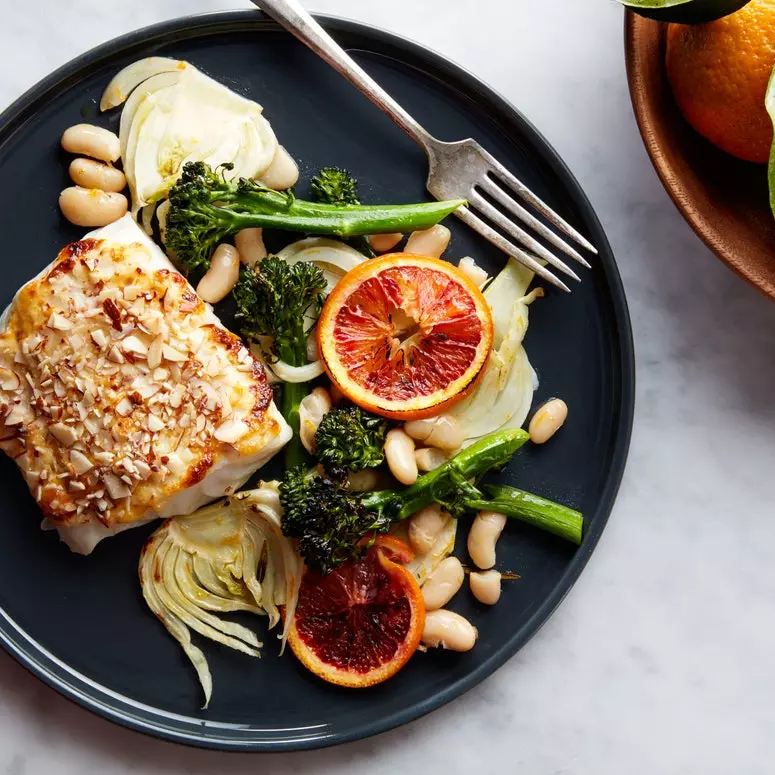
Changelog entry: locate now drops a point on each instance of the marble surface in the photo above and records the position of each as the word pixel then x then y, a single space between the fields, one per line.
pixel 660 660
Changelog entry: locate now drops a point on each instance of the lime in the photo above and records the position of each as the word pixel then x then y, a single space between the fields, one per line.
pixel 769 104
pixel 684 11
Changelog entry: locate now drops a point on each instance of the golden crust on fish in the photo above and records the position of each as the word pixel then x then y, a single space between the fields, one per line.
pixel 119 388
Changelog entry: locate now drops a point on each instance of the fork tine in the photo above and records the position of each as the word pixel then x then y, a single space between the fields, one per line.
pixel 507 247
pixel 497 193
pixel 520 235
pixel 528 196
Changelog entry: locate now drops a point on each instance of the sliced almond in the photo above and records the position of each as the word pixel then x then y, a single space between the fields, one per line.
pixel 153 356
pixel 64 434
pixel 134 345
pixel 124 407
pixel 9 380
pixel 231 431
pixel 59 322
pixel 175 464
pixel 171 354
pixel 154 423
pixel 114 354
pixel 115 487
pixel 81 463
pixel 19 413
pixel 143 469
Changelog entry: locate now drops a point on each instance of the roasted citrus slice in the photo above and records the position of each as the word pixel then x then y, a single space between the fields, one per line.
pixel 405 336
pixel 358 625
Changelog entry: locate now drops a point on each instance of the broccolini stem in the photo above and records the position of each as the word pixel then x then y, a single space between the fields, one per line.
pixel 490 452
pixel 294 353
pixel 271 210
pixel 532 509
pixel 293 394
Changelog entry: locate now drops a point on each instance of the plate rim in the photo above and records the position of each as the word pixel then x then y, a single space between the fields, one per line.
pixel 192 731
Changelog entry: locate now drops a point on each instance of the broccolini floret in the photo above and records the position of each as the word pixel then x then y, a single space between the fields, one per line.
pixel 350 439
pixel 274 298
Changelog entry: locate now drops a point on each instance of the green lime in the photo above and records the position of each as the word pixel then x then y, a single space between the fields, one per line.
pixel 685 11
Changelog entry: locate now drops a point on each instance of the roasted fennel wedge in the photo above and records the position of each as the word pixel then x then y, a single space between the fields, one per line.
pixel 227 557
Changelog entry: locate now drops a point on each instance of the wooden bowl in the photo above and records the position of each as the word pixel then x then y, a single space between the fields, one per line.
pixel 726 201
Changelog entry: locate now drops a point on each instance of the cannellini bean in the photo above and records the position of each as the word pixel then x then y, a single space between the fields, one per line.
pixel 429 458
pixel 484 534
pixel 486 586
pixel 448 630
pixel 91 207
pixel 282 173
pixel 442 431
pixel 399 452
pixel 443 583
pixel 547 420
pixel 311 411
pixel 473 271
pixel 88 173
pixel 425 526
pixel 431 242
pixel 250 244
pixel 363 481
pixel 381 243
pixel 222 275
pixel 94 141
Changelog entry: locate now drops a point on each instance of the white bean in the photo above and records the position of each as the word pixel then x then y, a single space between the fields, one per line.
pixel 425 526
pixel 399 453
pixel 442 431
pixel 547 420
pixel 448 630
pixel 429 458
pixel 473 271
pixel 88 173
pixel 431 242
pixel 486 586
pixel 250 244
pixel 94 141
pixel 484 534
pixel 381 243
pixel 222 275
pixel 363 481
pixel 443 583
pixel 282 173
pixel 311 411
pixel 91 207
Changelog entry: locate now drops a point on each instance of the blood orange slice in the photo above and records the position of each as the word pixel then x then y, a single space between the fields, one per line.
pixel 359 625
pixel 405 336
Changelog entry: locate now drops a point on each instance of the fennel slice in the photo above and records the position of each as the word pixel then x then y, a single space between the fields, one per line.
pixel 125 81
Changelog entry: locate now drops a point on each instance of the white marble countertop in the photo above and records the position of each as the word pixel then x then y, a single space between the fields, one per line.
pixel 661 659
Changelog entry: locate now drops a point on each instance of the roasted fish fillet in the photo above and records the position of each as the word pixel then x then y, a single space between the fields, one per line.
pixel 122 396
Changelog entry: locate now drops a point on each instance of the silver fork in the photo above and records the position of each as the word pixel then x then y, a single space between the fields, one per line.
pixel 460 170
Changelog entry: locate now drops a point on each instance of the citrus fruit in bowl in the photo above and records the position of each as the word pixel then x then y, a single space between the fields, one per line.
pixel 360 624
pixel 405 336
pixel 724 199
pixel 719 74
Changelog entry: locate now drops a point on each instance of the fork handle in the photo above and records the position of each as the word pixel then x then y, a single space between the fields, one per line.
pixel 291 15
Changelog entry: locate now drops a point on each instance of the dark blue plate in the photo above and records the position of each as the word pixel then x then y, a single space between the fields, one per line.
pixel 80 623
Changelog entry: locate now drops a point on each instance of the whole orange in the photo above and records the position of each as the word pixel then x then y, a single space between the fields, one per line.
pixel 719 73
